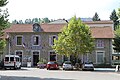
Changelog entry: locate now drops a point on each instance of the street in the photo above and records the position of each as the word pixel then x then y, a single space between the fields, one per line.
pixel 43 74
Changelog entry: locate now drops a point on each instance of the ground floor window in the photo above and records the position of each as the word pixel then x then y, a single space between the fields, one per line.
pixel 100 57
pixel 53 56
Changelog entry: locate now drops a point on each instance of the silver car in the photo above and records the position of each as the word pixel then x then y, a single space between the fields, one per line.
pixel 67 65
pixel 88 66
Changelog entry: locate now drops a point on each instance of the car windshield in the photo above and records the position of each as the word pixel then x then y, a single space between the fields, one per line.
pixel 52 62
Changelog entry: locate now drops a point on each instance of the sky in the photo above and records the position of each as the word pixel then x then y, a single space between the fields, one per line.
pixel 59 9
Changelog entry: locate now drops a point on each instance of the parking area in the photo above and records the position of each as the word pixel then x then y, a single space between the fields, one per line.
pixel 44 74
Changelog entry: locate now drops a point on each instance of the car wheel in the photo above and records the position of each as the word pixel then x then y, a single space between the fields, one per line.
pixel 20 67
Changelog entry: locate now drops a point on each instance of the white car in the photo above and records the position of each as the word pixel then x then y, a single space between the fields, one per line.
pixel 88 66
pixel 67 65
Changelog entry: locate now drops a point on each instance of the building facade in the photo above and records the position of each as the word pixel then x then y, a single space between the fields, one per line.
pixel 35 41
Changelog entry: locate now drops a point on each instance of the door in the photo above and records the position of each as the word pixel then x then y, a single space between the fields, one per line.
pixel 35 58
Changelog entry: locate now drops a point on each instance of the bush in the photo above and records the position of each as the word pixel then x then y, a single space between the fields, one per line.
pixel 42 61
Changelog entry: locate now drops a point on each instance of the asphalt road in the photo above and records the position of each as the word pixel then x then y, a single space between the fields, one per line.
pixel 43 74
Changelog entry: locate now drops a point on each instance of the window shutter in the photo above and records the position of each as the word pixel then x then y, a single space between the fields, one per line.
pixel 50 40
pixel 56 37
pixel 31 40
pixel 15 40
pixel 23 39
pixel 39 40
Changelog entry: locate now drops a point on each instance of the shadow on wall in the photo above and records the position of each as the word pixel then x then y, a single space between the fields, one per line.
pixel 27 78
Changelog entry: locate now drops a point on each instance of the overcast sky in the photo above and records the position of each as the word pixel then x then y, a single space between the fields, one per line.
pixel 54 9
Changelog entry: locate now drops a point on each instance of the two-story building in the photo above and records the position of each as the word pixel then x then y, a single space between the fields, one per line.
pixel 34 41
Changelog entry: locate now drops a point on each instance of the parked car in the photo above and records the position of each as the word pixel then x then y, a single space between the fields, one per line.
pixel 67 65
pixel 12 61
pixel 52 65
pixel 41 66
pixel 88 66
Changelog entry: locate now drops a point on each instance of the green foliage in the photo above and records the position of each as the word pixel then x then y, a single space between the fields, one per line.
pixel 46 20
pixel 42 61
pixel 114 18
pixel 3 23
pixel 3 3
pixel 2 44
pixel 74 39
pixel 32 21
pixel 116 42
pixel 96 17
pixel 118 12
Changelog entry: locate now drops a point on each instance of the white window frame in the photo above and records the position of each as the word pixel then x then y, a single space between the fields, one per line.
pixel 103 42
pixel 103 52
pixel 16 40
pixel 51 39
pixel 39 42
pixel 49 54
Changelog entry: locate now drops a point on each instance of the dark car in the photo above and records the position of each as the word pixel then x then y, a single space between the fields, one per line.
pixel 88 66
pixel 52 65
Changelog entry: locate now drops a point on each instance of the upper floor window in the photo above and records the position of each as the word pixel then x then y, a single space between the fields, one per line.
pixel 36 40
pixel 100 44
pixel 19 40
pixel 52 39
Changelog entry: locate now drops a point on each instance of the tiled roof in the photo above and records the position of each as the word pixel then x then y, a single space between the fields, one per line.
pixel 97 32
pixel 102 32
pixel 29 28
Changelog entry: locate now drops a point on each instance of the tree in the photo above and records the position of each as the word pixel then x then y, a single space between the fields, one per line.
pixel 15 22
pixel 114 18
pixel 96 17
pixel 20 22
pixel 46 20
pixel 116 43
pixel 3 3
pixel 3 23
pixel 119 12
pixel 74 39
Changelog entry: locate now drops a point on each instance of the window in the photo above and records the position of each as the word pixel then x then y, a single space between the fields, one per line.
pixel 115 57
pixel 52 56
pixel 52 40
pixel 35 40
pixel 100 57
pixel 6 58
pixel 100 43
pixel 19 40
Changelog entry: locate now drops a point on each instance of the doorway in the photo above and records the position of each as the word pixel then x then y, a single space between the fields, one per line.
pixel 35 58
